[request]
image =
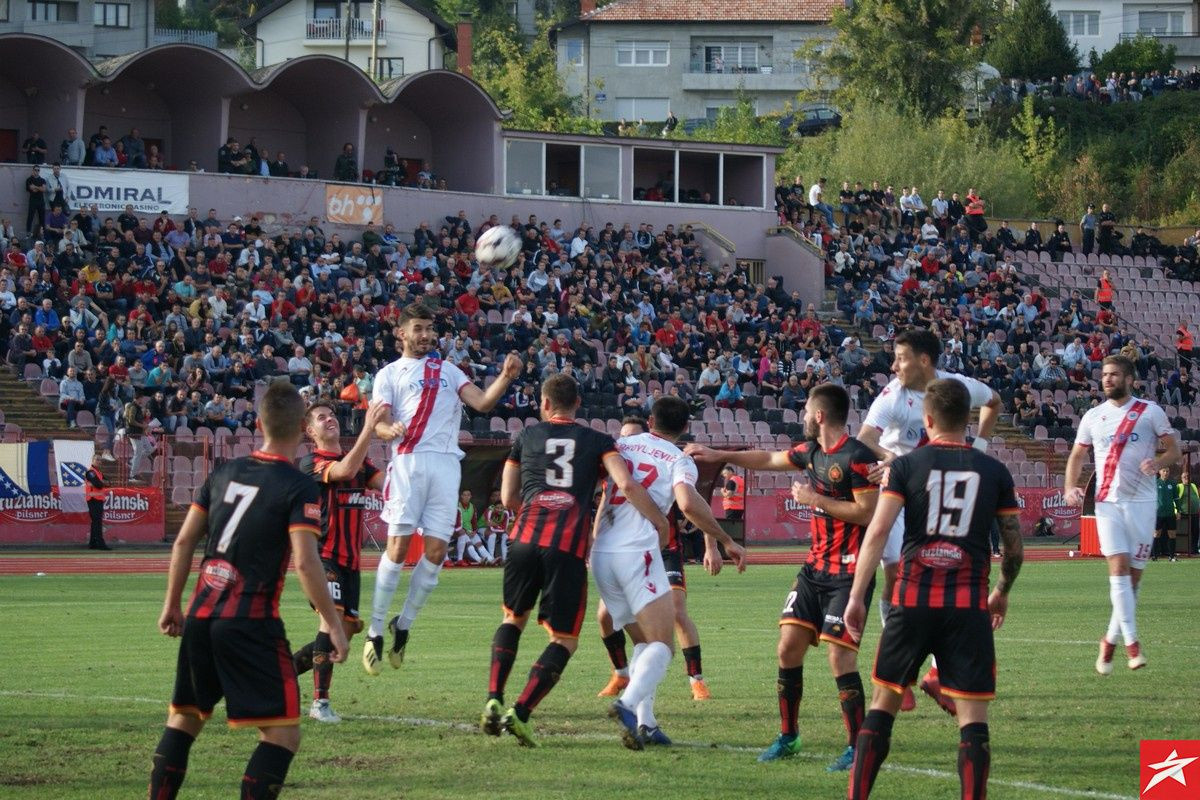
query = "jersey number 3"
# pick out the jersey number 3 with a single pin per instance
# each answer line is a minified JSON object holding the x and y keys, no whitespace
{"x":952,"y":496}
{"x":241,"y":496}
{"x":561,"y":473}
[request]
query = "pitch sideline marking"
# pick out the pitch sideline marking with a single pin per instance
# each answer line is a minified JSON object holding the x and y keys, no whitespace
{"x":421,"y":722}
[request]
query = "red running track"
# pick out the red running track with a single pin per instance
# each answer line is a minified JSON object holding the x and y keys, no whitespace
{"x":154,"y":563}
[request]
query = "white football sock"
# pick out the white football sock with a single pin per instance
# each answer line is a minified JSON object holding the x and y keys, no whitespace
{"x":462,"y":547}
{"x":491,"y":547}
{"x":1113,"y":634}
{"x":504,"y":547}
{"x":474,"y":554}
{"x":387,"y":577}
{"x":647,"y":672}
{"x":645,"y":711}
{"x":420,"y":585}
{"x":1120,"y":591}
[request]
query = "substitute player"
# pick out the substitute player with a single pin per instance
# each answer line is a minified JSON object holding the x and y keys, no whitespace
{"x":499,"y":521}
{"x":550,"y":476}
{"x":254,"y":511}
{"x":628,"y":567}
{"x":686,"y":633}
{"x":894,"y":426}
{"x":950,"y":494}
{"x":344,"y":479}
{"x":426,"y":396}
{"x":842,"y":500}
{"x":1124,"y":433}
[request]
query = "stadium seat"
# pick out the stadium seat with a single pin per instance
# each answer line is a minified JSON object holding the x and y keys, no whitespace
{"x":48,"y":388}
{"x":181,"y":497}
{"x":33,"y":372}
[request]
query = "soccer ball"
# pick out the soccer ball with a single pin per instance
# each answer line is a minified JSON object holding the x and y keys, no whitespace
{"x":498,"y":247}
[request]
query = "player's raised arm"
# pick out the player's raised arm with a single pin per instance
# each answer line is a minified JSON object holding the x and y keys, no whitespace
{"x":311,"y":572}
{"x":195,"y":525}
{"x":747,"y":459}
{"x":635,"y":493}
{"x":1011,"y":558}
{"x":484,"y":400}
{"x":692,"y":506}
{"x":347,"y":467}
{"x":886,"y":510}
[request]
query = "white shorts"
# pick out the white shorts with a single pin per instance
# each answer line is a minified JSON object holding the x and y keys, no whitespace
{"x":628,"y":581}
{"x":891,"y":550}
{"x":1127,"y":527}
{"x":420,"y":490}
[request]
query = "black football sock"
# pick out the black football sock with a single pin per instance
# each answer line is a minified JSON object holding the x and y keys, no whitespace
{"x":322,"y":666}
{"x":874,"y":740}
{"x":1172,"y":547}
{"x":790,"y":688}
{"x":850,"y":695}
{"x":691,"y":661}
{"x":614,"y":643}
{"x":974,"y":759}
{"x":170,"y":763}
{"x":266,"y":772}
{"x":545,"y":673}
{"x":302,"y":659}
{"x":504,"y":653}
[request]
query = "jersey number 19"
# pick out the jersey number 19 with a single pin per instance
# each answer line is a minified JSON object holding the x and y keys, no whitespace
{"x":952,"y":497}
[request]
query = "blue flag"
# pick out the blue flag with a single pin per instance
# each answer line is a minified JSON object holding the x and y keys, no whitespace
{"x":24,"y":469}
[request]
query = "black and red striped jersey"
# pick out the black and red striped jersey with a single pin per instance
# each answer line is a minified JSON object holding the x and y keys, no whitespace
{"x":253,"y":505}
{"x":952,"y":495}
{"x":839,"y":473}
{"x":561,"y":462}
{"x":342,"y":505}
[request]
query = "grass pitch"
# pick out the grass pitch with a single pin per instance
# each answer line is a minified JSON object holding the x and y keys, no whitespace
{"x":86,"y":678}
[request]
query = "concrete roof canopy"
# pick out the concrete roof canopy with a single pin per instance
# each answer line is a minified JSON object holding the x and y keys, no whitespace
{"x":35,"y":61}
{"x":320,"y":82}
{"x":178,"y":65}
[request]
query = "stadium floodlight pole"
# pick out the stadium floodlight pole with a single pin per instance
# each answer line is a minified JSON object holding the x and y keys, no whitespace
{"x":349,"y":11}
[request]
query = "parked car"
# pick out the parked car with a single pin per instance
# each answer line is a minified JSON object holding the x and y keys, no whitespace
{"x":810,"y":121}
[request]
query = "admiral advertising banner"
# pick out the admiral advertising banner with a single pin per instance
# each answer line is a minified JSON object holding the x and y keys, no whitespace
{"x":148,"y":191}
{"x":130,"y":515}
{"x":778,"y":519}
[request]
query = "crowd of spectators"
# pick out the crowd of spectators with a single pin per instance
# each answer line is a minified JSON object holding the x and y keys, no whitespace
{"x":1117,"y":87}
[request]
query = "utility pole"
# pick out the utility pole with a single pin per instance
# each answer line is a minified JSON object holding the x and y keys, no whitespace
{"x":375,"y":66}
{"x":349,"y":7}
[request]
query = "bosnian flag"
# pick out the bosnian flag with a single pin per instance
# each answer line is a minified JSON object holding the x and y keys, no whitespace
{"x":73,"y":457}
{"x":24,"y":469}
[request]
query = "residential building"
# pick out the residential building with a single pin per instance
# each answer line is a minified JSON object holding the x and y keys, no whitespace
{"x":1100,"y":24}
{"x":94,"y":29}
{"x":639,"y":59}
{"x":409,"y":37}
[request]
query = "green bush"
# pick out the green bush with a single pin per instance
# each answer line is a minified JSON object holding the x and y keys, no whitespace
{"x":1141,"y":54}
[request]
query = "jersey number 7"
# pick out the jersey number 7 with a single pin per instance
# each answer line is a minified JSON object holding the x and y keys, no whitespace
{"x":651,"y":475}
{"x":241,"y":496}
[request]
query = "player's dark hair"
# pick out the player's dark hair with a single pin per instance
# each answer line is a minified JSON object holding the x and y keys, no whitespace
{"x":834,"y":400}
{"x":671,"y":415}
{"x":281,"y":411}
{"x":414,"y":310}
{"x":921,"y":342}
{"x":562,"y":391}
{"x":1123,"y":362}
{"x":949,"y":403}
{"x":634,"y":419}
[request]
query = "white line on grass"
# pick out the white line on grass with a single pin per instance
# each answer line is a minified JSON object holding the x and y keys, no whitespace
{"x":422,"y":722}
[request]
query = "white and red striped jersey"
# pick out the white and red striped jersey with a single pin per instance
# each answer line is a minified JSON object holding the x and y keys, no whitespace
{"x":659,"y":466}
{"x":424,"y":395}
{"x":898,"y":413}
{"x":1122,"y":438}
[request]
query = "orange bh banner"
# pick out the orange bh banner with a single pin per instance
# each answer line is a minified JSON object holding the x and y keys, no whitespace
{"x":352,"y":204}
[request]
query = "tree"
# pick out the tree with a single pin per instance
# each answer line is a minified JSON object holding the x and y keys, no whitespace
{"x":1030,"y":42}
{"x":1140,"y":54}
{"x":910,"y":55}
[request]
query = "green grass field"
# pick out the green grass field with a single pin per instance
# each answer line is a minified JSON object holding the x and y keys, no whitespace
{"x":86,"y":678}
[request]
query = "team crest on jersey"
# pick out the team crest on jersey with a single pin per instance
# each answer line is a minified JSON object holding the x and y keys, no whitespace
{"x":1132,"y":416}
{"x":835,"y":473}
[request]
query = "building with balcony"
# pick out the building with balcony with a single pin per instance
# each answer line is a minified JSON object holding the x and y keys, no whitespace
{"x":1098,"y":25}
{"x":408,"y":37}
{"x":639,"y":59}
{"x":95,"y":30}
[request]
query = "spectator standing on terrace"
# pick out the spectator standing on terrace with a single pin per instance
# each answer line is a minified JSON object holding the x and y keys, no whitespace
{"x":816,"y":200}
{"x":1087,"y":229}
{"x":135,"y":149}
{"x":1107,"y":233}
{"x":35,"y":187}
{"x":346,"y":166}
{"x":1183,"y":345}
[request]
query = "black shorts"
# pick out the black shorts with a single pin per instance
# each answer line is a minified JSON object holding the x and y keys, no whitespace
{"x":818,"y":601}
{"x":959,"y":638}
{"x":345,"y":587}
{"x":1164,"y":524}
{"x":559,"y":577}
{"x":246,"y":661}
{"x":673,"y":562}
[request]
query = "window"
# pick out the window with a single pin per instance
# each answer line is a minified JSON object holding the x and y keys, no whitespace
{"x":1080,"y":23}
{"x":1158,"y":23}
{"x":325,"y":9}
{"x":643,"y":54}
{"x":386,"y":68}
{"x":601,"y":172}
{"x":651,"y":109}
{"x":523,"y":166}
{"x":54,"y":12}
{"x":111,"y":15}
{"x":573,"y":52}
{"x":731,"y":58}
{"x":3,"y":10}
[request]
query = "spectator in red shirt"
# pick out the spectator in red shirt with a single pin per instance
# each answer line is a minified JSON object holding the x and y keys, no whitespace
{"x":466,"y":306}
{"x":281,"y":308}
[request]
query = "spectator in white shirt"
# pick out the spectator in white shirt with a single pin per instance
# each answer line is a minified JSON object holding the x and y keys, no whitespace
{"x":299,"y":368}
